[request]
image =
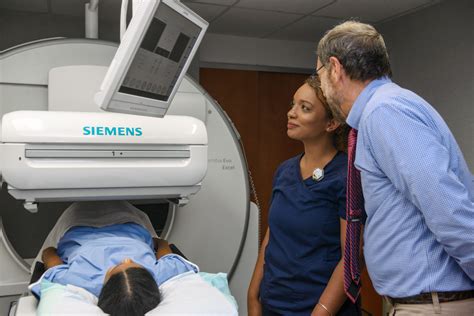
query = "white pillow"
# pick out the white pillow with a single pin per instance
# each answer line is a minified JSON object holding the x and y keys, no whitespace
{"x":186,"y":294}
{"x":189,"y":294}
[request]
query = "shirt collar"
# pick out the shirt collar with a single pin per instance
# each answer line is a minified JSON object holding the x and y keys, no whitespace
{"x":358,"y":107}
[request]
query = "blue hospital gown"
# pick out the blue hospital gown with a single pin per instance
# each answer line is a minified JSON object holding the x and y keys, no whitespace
{"x":88,"y":252}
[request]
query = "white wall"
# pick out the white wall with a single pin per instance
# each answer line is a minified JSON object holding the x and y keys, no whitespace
{"x":432,"y":53}
{"x":237,"y":50}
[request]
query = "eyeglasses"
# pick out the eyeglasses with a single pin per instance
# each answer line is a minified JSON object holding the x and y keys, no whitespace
{"x":316,"y":71}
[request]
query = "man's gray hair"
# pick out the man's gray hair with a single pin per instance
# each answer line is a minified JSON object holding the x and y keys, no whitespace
{"x":359,"y":48}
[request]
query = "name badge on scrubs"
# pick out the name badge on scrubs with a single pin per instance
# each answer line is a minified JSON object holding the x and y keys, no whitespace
{"x":318,"y":174}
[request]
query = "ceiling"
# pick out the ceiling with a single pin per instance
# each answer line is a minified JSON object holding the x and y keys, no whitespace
{"x":273,"y":19}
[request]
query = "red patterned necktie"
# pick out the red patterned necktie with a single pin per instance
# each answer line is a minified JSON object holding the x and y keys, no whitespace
{"x":354,"y":213}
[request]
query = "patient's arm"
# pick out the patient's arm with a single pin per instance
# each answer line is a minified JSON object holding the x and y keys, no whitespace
{"x":50,"y":258}
{"x":162,"y":247}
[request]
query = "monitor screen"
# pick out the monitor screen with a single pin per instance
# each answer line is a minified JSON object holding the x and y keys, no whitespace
{"x":152,"y":59}
{"x":161,"y":56}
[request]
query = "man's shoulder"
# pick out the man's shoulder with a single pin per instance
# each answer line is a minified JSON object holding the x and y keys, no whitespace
{"x":391,"y":100}
{"x":388,"y":94}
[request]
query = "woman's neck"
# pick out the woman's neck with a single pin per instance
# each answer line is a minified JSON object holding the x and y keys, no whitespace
{"x":317,"y":154}
{"x":314,"y":150}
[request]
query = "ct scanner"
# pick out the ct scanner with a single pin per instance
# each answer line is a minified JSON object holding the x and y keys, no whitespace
{"x":217,"y":227}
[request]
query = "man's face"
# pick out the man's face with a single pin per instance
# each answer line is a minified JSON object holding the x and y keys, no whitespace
{"x":333,"y":95}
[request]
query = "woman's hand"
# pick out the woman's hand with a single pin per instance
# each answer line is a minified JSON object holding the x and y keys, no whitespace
{"x":320,"y":311}
{"x":333,"y":296}
{"x":162,"y":247}
{"x":254,"y":308}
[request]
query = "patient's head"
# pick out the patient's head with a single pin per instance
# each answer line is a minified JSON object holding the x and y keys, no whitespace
{"x":129,"y":289}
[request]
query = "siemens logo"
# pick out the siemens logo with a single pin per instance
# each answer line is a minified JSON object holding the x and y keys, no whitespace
{"x":111,"y":131}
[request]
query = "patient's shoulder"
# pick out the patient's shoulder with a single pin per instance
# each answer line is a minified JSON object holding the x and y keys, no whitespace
{"x":172,"y":265}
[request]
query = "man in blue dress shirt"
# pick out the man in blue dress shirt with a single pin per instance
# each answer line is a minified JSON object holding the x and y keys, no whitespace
{"x":418,"y":190}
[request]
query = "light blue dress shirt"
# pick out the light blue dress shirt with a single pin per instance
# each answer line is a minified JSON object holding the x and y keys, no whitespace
{"x":419,"y":199}
{"x":88,"y":252}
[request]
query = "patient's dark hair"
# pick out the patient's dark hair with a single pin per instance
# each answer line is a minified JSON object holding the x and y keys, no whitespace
{"x":131,"y":292}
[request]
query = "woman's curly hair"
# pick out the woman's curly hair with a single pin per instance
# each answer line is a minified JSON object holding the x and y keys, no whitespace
{"x":342,"y":132}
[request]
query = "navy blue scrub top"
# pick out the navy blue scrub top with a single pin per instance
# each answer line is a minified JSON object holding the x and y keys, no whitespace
{"x":304,"y":246}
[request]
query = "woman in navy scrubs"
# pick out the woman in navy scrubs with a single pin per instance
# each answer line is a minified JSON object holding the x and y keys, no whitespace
{"x":299,"y":270}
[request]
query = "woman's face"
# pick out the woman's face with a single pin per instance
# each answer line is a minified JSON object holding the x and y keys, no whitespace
{"x":122,"y":266}
{"x":307,"y":118}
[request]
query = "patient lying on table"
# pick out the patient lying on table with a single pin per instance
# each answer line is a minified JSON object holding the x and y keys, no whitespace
{"x":122,"y":263}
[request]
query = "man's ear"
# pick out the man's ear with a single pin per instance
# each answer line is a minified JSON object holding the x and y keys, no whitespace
{"x":332,"y":125}
{"x":336,"y":69}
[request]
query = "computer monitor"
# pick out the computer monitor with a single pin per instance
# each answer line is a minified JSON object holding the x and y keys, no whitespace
{"x":152,"y":59}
